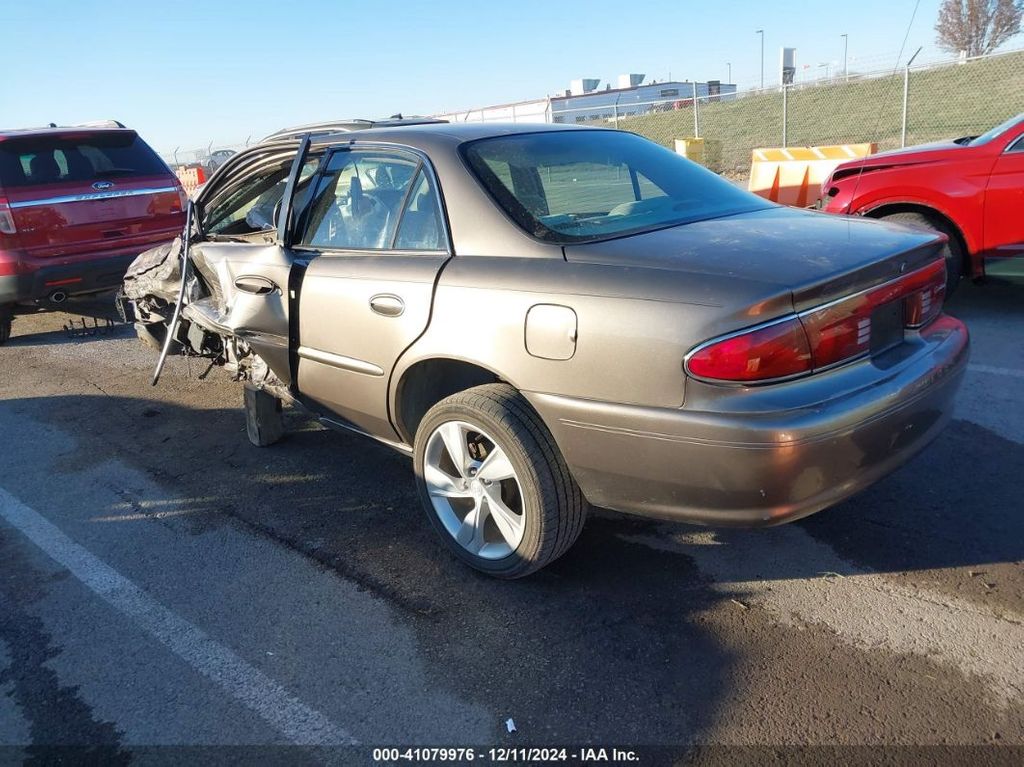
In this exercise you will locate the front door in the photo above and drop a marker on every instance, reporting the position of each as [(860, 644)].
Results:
[(1004, 204), (240, 252), (377, 239)]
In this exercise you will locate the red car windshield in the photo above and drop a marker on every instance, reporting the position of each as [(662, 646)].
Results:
[(996, 132)]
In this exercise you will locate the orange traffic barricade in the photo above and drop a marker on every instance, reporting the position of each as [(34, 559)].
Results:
[(794, 175)]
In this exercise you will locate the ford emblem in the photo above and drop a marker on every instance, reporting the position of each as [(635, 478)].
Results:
[(99, 186)]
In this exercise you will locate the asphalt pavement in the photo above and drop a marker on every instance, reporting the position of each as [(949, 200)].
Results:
[(164, 583)]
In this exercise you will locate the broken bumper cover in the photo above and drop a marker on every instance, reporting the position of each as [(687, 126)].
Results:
[(756, 469)]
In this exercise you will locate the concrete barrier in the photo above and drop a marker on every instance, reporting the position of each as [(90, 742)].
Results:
[(191, 178), (793, 175)]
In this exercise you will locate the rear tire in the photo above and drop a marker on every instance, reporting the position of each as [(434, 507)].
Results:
[(953, 251), (508, 516)]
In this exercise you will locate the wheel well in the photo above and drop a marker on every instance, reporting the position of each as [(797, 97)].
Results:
[(428, 382), (930, 213)]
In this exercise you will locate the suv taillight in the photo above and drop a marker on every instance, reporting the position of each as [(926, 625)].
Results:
[(6, 218), (182, 199), (818, 338)]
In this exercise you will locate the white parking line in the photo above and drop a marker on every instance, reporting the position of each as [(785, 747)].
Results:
[(996, 370), (298, 722)]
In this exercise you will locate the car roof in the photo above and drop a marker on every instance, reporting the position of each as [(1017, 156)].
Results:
[(347, 125), (68, 130), (450, 133)]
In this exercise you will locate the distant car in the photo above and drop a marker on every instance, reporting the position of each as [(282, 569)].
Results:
[(543, 316), (218, 158), (77, 205), (971, 189)]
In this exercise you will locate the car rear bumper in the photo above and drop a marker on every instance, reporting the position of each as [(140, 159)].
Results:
[(25, 279), (761, 468)]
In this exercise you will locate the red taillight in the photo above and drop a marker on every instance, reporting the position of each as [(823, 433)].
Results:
[(6, 218), (819, 338), (924, 304), (779, 350), (839, 331)]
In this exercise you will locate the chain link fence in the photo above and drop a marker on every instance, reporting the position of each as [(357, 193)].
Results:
[(940, 99), (930, 102), (209, 158)]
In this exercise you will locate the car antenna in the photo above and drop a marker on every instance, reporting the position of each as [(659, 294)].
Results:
[(881, 106)]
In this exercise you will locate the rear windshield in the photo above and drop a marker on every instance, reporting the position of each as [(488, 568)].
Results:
[(578, 186), (33, 160)]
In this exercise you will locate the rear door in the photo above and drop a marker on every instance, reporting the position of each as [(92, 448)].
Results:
[(376, 236), (1004, 203), (88, 192)]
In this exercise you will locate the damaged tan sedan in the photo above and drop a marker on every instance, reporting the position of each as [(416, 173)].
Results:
[(547, 317)]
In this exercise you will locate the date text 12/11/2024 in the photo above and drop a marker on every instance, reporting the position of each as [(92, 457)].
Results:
[(515, 754)]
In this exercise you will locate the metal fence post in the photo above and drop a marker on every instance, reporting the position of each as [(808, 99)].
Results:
[(785, 116), (906, 97), (696, 113)]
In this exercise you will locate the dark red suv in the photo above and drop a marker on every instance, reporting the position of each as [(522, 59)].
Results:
[(77, 205)]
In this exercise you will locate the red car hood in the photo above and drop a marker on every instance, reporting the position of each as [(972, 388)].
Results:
[(911, 155)]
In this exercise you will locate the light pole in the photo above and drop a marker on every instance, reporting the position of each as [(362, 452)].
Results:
[(846, 66), (761, 32), (729, 64)]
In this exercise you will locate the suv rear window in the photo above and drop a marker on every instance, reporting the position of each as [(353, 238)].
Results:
[(578, 186), (34, 160)]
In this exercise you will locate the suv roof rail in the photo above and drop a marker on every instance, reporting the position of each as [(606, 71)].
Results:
[(99, 124), (344, 126), (52, 126)]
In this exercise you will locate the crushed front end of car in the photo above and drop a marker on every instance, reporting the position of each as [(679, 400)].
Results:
[(205, 330)]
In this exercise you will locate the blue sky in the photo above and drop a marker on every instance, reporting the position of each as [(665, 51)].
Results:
[(187, 73)]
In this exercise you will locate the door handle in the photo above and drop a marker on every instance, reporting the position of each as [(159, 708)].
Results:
[(387, 305), (256, 285)]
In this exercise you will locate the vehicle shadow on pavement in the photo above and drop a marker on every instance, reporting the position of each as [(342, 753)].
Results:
[(613, 639), (89, 317), (607, 641), (88, 333), (994, 294)]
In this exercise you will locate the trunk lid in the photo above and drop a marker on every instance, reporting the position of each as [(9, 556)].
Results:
[(80, 192), (815, 256)]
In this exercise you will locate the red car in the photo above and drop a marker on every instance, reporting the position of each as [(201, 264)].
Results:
[(77, 205), (970, 189)]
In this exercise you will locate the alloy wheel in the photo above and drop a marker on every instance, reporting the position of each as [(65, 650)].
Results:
[(474, 490)]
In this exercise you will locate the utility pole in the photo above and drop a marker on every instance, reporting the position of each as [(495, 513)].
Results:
[(846, 66), (729, 64), (761, 32)]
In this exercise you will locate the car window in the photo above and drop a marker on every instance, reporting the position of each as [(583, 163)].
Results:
[(1017, 146), (34, 160), (251, 203), (420, 227), (575, 186), (359, 200), (594, 187)]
